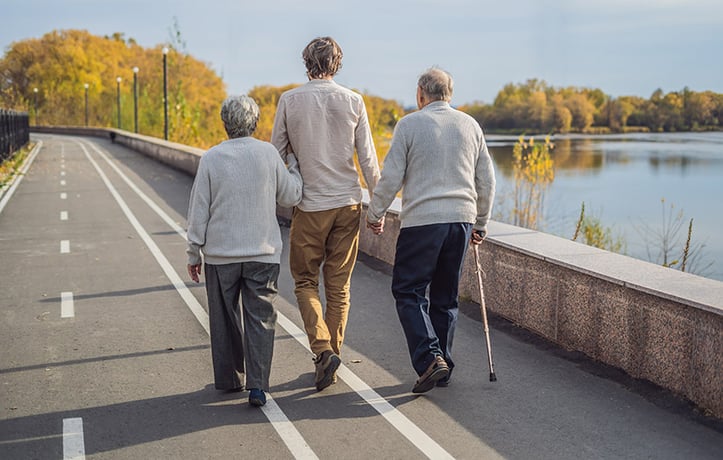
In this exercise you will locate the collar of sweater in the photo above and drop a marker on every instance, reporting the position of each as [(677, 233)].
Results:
[(436, 105)]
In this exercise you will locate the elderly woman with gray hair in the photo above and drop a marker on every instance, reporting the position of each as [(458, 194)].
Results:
[(232, 223)]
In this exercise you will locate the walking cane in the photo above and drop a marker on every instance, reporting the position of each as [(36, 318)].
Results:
[(478, 270)]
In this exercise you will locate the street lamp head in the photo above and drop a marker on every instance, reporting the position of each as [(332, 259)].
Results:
[(119, 79), (135, 69), (35, 90), (165, 50), (86, 85)]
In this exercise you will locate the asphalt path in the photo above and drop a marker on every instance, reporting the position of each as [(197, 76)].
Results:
[(104, 350)]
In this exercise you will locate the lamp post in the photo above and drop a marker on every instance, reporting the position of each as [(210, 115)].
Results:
[(118, 80), (35, 106), (135, 98), (165, 93), (86, 104)]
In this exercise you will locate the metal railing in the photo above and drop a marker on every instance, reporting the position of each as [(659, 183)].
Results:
[(14, 132)]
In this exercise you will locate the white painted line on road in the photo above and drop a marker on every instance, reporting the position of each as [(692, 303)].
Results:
[(64, 246), (161, 213), (73, 442), (191, 301), (67, 307), (62, 173), (63, 196), (62, 182), (286, 430), (7, 190), (406, 427), (63, 215)]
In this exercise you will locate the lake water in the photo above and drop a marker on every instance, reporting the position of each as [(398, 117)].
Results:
[(622, 180)]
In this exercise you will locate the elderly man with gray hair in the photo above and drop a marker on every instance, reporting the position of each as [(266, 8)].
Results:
[(439, 157), (232, 222)]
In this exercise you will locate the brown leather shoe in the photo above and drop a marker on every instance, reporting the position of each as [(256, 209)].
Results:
[(436, 371), (326, 365)]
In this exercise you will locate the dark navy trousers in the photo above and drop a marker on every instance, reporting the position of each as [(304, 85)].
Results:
[(429, 256)]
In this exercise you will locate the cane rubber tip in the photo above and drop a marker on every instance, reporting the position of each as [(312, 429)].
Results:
[(493, 377)]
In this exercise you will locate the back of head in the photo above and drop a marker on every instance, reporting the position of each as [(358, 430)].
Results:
[(322, 57), (240, 114), (436, 84)]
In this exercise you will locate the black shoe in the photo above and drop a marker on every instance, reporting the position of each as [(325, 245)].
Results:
[(437, 370), (257, 397)]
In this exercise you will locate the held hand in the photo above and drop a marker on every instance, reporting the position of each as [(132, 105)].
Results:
[(376, 227), (478, 236), (194, 271)]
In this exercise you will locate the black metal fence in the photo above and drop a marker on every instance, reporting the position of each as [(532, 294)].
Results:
[(14, 132)]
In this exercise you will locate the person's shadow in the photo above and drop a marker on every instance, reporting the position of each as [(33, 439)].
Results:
[(116, 426)]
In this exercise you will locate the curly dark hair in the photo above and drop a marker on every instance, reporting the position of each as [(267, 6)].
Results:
[(322, 57)]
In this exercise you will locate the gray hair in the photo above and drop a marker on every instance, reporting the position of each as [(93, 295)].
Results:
[(436, 84), (240, 114)]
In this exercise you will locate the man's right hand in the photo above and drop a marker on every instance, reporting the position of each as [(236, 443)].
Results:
[(478, 236)]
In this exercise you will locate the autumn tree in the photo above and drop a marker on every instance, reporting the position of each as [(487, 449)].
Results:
[(60, 63)]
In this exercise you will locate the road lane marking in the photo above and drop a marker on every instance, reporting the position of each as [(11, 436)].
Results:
[(406, 427), (63, 196), (64, 246), (9, 189), (62, 182), (286, 430), (63, 215), (67, 307), (168, 269), (73, 442), (161, 213), (62, 173)]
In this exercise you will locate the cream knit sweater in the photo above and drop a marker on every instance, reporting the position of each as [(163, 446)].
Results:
[(439, 157)]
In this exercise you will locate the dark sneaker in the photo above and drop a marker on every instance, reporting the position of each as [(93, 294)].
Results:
[(326, 365), (437, 370), (257, 397), (444, 383)]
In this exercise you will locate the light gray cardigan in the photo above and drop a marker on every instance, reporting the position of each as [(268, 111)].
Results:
[(439, 155), (232, 210)]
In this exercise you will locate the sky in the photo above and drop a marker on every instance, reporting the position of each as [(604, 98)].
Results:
[(623, 47)]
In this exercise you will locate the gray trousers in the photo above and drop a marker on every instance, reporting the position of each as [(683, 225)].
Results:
[(234, 341)]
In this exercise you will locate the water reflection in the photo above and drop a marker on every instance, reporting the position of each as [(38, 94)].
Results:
[(622, 179), (567, 154)]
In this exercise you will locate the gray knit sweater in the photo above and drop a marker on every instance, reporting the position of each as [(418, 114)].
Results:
[(232, 209), (439, 156)]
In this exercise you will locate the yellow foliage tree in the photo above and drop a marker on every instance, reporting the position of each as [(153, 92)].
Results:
[(61, 63), (534, 172)]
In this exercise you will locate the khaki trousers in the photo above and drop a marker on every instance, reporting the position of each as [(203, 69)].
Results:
[(329, 241)]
